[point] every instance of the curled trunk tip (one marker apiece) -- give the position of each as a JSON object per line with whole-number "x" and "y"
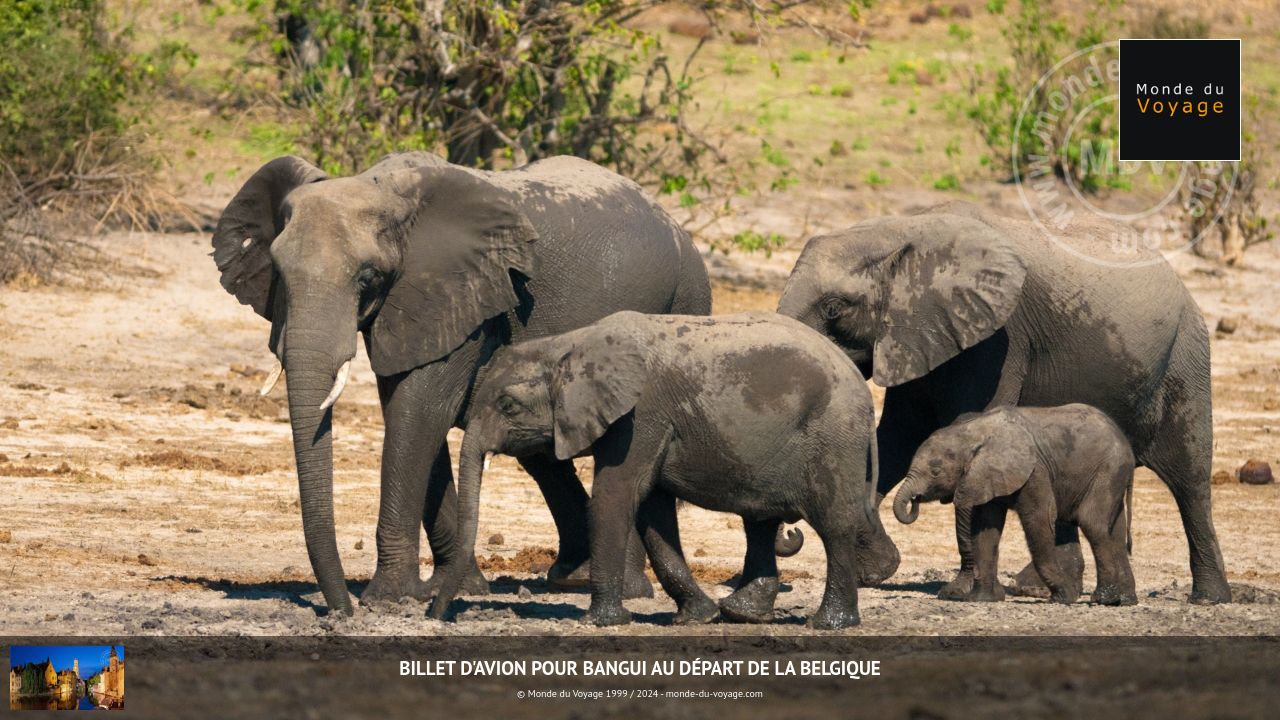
{"x": 906, "y": 497}
{"x": 788, "y": 542}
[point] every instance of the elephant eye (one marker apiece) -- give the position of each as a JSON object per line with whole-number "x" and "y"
{"x": 508, "y": 405}
{"x": 833, "y": 308}
{"x": 368, "y": 278}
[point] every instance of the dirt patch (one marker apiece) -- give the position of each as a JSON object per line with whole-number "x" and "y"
{"x": 34, "y": 471}
{"x": 726, "y": 575}
{"x": 1253, "y": 595}
{"x": 232, "y": 400}
{"x": 182, "y": 460}
{"x": 61, "y": 470}
{"x": 534, "y": 560}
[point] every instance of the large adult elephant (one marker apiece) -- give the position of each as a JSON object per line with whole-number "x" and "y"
{"x": 436, "y": 265}
{"x": 956, "y": 310}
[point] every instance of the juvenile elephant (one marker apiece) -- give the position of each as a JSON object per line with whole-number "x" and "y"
{"x": 436, "y": 265}
{"x": 956, "y": 310}
{"x": 753, "y": 414}
{"x": 1065, "y": 466}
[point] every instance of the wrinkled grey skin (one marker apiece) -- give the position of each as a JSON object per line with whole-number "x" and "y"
{"x": 753, "y": 414}
{"x": 1061, "y": 469}
{"x": 956, "y": 310}
{"x": 437, "y": 265}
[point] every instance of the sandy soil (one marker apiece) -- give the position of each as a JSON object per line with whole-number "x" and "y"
{"x": 149, "y": 490}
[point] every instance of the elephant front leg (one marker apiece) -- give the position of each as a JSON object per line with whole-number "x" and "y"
{"x": 988, "y": 525}
{"x": 613, "y": 514}
{"x": 962, "y": 585}
{"x": 417, "y": 487}
{"x": 626, "y": 462}
{"x": 753, "y": 601}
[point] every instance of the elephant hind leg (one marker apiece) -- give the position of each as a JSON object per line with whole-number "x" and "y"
{"x": 1181, "y": 453}
{"x": 1107, "y": 536}
{"x": 1070, "y": 558}
{"x": 1187, "y": 476}
{"x": 839, "y": 608}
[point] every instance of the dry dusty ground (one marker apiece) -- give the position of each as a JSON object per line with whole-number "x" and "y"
{"x": 148, "y": 490}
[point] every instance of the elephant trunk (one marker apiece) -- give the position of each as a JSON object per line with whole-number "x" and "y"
{"x": 315, "y": 356}
{"x": 907, "y": 495}
{"x": 313, "y": 452}
{"x": 471, "y": 466}
{"x": 787, "y": 543}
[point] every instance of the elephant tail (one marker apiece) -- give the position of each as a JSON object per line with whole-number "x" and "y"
{"x": 1128, "y": 508}
{"x": 788, "y": 542}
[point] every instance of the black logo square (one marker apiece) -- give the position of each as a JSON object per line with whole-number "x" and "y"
{"x": 1180, "y": 100}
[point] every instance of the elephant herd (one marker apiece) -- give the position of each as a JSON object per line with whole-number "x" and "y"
{"x": 555, "y": 311}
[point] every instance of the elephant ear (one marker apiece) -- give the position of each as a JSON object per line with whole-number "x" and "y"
{"x": 953, "y": 282}
{"x": 598, "y": 381}
{"x": 1002, "y": 464}
{"x": 466, "y": 248}
{"x": 242, "y": 240}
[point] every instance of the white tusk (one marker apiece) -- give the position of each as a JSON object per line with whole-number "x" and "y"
{"x": 487, "y": 457}
{"x": 272, "y": 379}
{"x": 339, "y": 383}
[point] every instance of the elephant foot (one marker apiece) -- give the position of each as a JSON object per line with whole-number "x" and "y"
{"x": 751, "y": 603}
{"x": 829, "y": 619}
{"x": 959, "y": 588}
{"x": 607, "y": 615}
{"x": 986, "y": 593}
{"x": 636, "y": 585}
{"x": 1027, "y": 583}
{"x": 698, "y": 610}
{"x": 574, "y": 576}
{"x": 1111, "y": 595}
{"x": 567, "y": 575}
{"x": 387, "y": 588}
{"x": 1064, "y": 596}
{"x": 1210, "y": 593}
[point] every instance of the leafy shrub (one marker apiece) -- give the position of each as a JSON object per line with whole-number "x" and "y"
{"x": 503, "y": 83}
{"x": 1162, "y": 22}
{"x": 1038, "y": 39}
{"x": 483, "y": 83}
{"x": 65, "y": 134}
{"x": 1221, "y": 205}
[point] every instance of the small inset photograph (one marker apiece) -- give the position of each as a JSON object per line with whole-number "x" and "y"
{"x": 66, "y": 677}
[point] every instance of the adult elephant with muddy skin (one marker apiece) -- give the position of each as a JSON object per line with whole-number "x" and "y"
{"x": 956, "y": 310}
{"x": 437, "y": 265}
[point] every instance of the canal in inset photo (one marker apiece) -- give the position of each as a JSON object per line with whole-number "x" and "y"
{"x": 66, "y": 677}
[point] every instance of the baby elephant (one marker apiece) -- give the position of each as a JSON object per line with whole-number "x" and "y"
{"x": 753, "y": 414}
{"x": 1061, "y": 466}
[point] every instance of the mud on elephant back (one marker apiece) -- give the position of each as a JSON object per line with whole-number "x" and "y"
{"x": 435, "y": 266}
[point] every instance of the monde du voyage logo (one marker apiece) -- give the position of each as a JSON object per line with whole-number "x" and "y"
{"x": 1180, "y": 100}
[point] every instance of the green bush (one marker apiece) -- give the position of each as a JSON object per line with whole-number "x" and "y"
{"x": 1038, "y": 39}
{"x": 62, "y": 78}
{"x": 68, "y": 156}
{"x": 514, "y": 80}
